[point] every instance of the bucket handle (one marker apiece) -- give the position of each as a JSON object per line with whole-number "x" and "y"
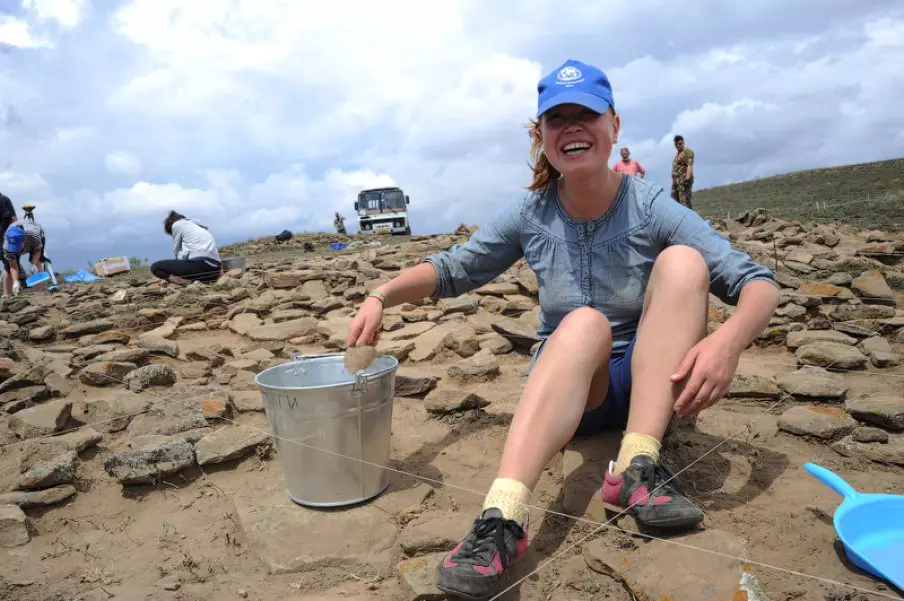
{"x": 360, "y": 379}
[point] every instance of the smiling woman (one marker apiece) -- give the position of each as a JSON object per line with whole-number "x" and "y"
{"x": 624, "y": 275}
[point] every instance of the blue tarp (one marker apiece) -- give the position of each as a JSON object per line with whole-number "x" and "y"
{"x": 80, "y": 276}
{"x": 338, "y": 245}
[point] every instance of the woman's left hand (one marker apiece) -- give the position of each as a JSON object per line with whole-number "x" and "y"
{"x": 711, "y": 365}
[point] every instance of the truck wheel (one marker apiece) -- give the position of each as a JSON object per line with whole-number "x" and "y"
{"x": 408, "y": 231}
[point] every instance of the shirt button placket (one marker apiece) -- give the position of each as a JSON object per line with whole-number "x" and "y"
{"x": 586, "y": 231}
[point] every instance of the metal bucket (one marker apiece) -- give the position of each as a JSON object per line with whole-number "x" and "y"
{"x": 233, "y": 263}
{"x": 325, "y": 422}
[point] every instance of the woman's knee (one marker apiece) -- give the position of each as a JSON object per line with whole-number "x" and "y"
{"x": 682, "y": 264}
{"x": 586, "y": 329}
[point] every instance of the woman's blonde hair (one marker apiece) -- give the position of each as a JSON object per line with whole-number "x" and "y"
{"x": 544, "y": 173}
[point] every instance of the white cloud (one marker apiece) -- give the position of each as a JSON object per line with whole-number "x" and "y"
{"x": 260, "y": 115}
{"x": 67, "y": 13}
{"x": 15, "y": 32}
{"x": 123, "y": 162}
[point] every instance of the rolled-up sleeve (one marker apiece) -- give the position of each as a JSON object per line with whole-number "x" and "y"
{"x": 488, "y": 252}
{"x": 730, "y": 269}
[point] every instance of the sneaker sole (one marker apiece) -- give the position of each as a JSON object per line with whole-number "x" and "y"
{"x": 676, "y": 523}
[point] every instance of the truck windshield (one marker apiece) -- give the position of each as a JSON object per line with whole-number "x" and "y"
{"x": 388, "y": 200}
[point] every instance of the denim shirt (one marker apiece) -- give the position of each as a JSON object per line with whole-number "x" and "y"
{"x": 604, "y": 263}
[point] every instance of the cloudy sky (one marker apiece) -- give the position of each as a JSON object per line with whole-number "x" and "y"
{"x": 261, "y": 115}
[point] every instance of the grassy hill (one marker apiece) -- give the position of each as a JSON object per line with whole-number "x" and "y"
{"x": 869, "y": 195}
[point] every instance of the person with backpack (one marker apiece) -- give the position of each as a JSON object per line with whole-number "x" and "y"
{"x": 196, "y": 257}
{"x": 21, "y": 237}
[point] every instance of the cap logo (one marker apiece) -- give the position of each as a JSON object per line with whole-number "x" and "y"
{"x": 569, "y": 76}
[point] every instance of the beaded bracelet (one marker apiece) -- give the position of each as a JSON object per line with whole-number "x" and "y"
{"x": 378, "y": 295}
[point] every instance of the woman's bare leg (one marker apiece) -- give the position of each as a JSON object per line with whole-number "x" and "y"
{"x": 672, "y": 322}
{"x": 575, "y": 360}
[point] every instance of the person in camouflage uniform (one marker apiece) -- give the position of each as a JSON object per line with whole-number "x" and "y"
{"x": 682, "y": 173}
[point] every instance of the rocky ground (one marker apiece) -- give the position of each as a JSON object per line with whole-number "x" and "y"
{"x": 135, "y": 460}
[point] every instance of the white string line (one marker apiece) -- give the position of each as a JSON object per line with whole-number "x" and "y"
{"x": 441, "y": 483}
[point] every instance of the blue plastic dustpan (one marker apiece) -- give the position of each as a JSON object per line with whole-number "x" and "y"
{"x": 871, "y": 527}
{"x": 37, "y": 278}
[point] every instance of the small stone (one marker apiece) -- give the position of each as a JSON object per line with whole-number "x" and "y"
{"x": 840, "y": 279}
{"x": 246, "y": 400}
{"x": 419, "y": 574}
{"x": 46, "y": 474}
{"x": 38, "y": 498}
{"x": 886, "y": 411}
{"x": 159, "y": 346}
{"x": 879, "y": 351}
{"x": 867, "y": 434}
{"x": 360, "y": 357}
{"x": 827, "y": 423}
{"x": 284, "y": 331}
{"x": 13, "y": 527}
{"x": 891, "y": 452}
{"x": 444, "y": 401}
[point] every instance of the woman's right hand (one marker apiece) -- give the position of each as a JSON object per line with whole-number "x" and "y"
{"x": 368, "y": 322}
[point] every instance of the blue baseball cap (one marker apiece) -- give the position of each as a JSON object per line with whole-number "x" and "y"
{"x": 574, "y": 82}
{"x": 15, "y": 239}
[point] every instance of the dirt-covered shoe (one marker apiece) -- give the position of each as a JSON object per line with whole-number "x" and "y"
{"x": 667, "y": 507}
{"x": 477, "y": 566}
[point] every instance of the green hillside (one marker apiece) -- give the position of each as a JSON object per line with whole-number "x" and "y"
{"x": 869, "y": 195}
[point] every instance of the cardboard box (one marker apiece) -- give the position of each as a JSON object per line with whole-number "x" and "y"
{"x": 112, "y": 266}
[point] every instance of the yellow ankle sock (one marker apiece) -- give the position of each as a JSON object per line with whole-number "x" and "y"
{"x": 634, "y": 444}
{"x": 510, "y": 497}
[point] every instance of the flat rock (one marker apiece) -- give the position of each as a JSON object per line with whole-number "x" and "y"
{"x": 879, "y": 351}
{"x": 246, "y": 400}
{"x": 158, "y": 374}
{"x": 226, "y": 444}
{"x": 110, "y": 415}
{"x": 159, "y": 346}
{"x": 517, "y": 331}
{"x": 886, "y": 411}
{"x": 446, "y": 400}
{"x": 49, "y": 473}
{"x": 285, "y": 330}
{"x": 290, "y": 538}
{"x": 862, "y": 311}
{"x": 38, "y": 498}
{"x": 419, "y": 574}
{"x": 166, "y": 418}
{"x": 88, "y": 327}
{"x": 827, "y": 423}
{"x": 813, "y": 383}
{"x": 35, "y": 451}
{"x": 831, "y": 355}
{"x": 872, "y": 288}
{"x": 689, "y": 575}
{"x": 479, "y": 368}
{"x": 150, "y": 462}
{"x": 891, "y": 452}
{"x": 465, "y": 304}
{"x": 167, "y": 330}
{"x": 42, "y": 420}
{"x": 753, "y": 387}
{"x": 434, "y": 532}
{"x": 413, "y": 384}
{"x": 868, "y": 434}
{"x": 429, "y": 343}
{"x": 13, "y": 527}
{"x": 105, "y": 373}
{"x": 796, "y": 340}
{"x": 245, "y": 322}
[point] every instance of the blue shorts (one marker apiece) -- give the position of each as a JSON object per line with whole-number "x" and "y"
{"x": 613, "y": 413}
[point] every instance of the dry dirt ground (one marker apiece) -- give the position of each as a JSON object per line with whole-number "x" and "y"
{"x": 163, "y": 484}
